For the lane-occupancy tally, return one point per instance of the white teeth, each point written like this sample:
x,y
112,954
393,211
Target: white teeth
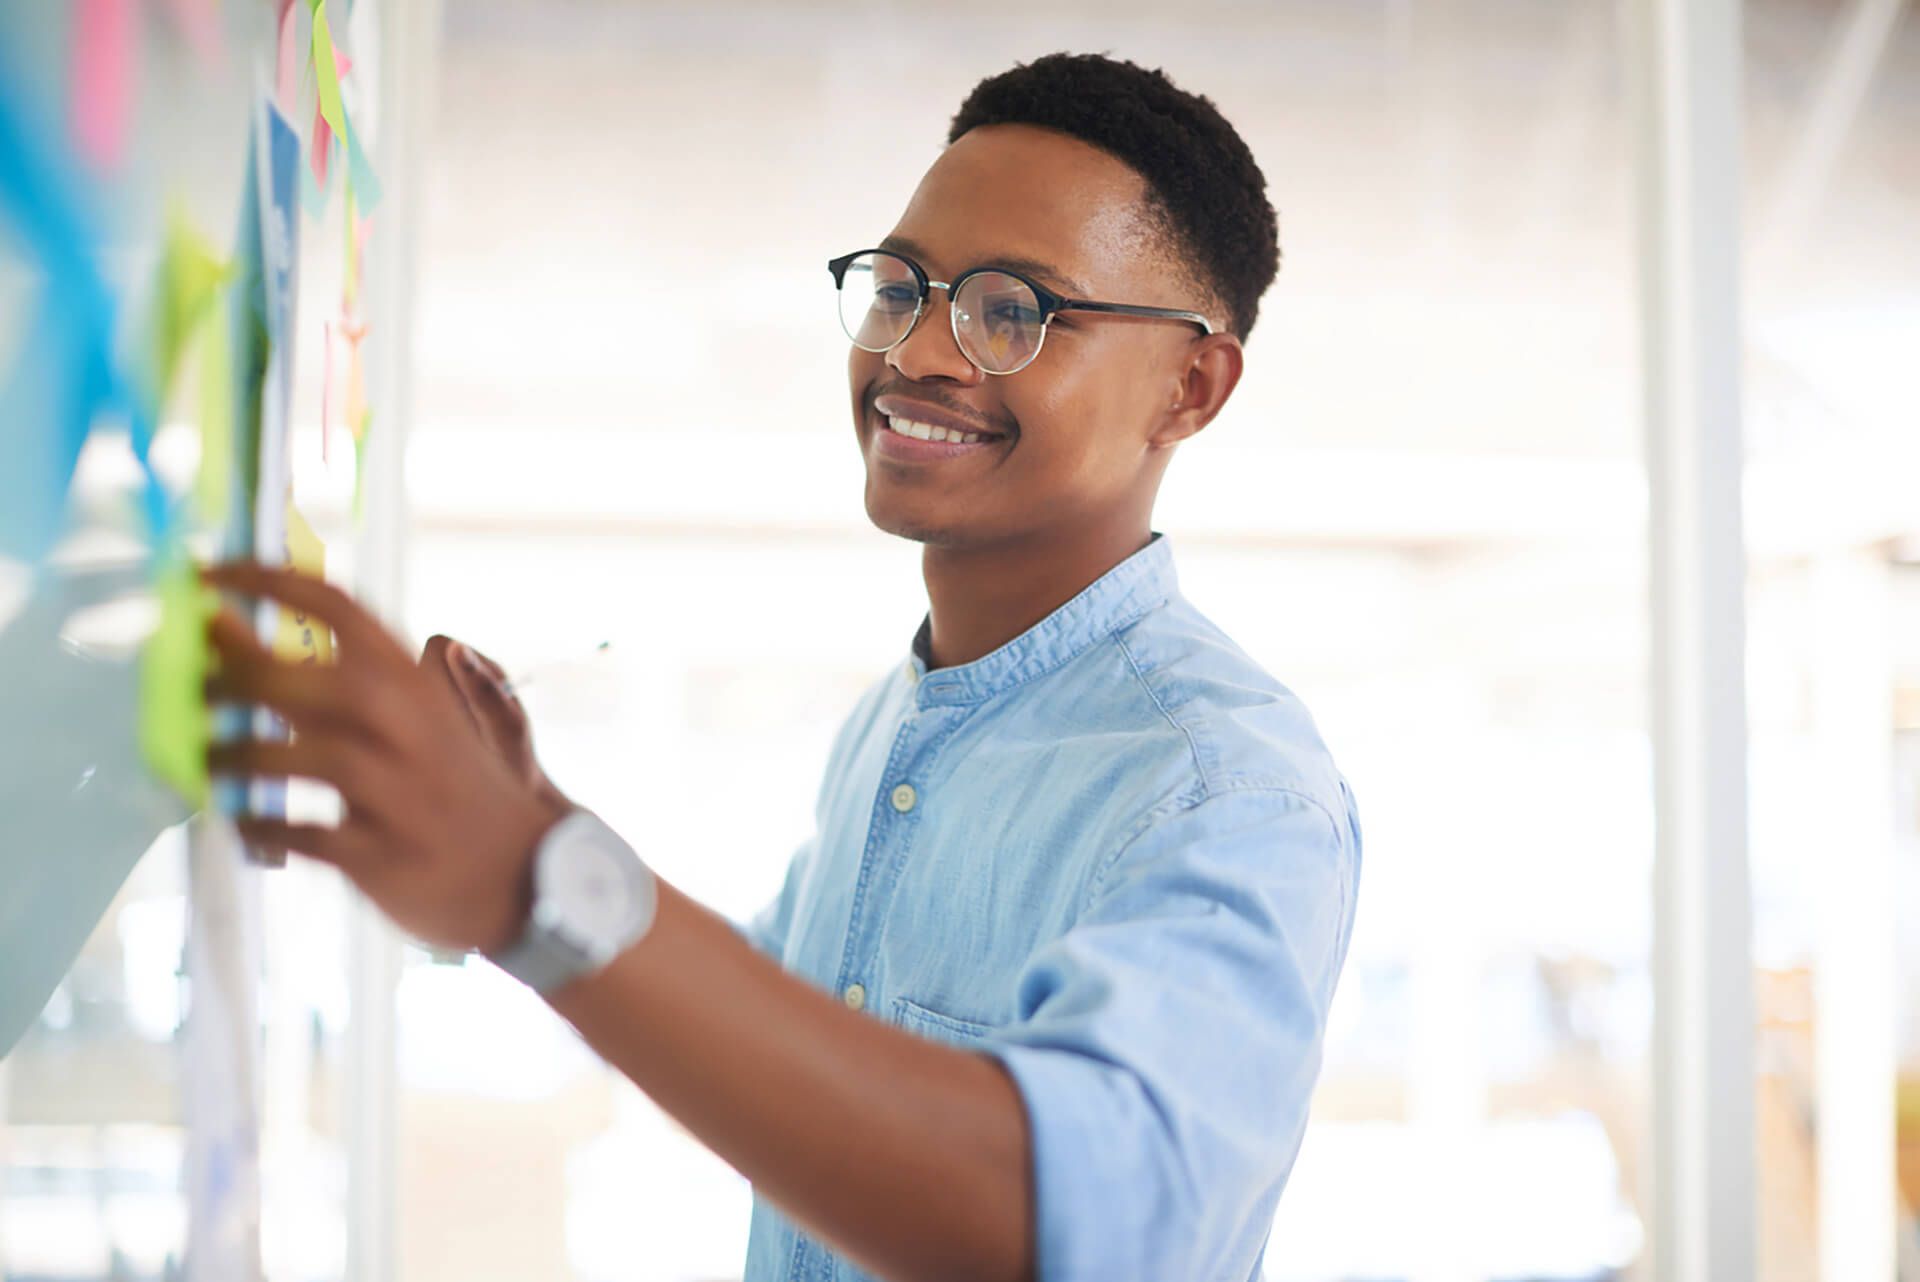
x,y
928,432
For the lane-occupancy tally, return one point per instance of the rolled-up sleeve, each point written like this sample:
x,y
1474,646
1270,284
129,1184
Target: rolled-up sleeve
x,y
1167,1044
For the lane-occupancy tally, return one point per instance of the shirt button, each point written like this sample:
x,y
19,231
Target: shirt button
x,y
855,996
903,797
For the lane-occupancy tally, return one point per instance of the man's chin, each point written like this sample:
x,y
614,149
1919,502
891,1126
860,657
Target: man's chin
x,y
916,525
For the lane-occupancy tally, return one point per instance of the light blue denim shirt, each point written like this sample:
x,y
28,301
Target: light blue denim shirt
x,y
1115,854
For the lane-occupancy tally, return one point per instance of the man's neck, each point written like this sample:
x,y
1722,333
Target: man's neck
x,y
978,599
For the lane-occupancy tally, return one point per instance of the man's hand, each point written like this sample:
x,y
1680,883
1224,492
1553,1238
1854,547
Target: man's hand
x,y
492,706
842,1120
439,828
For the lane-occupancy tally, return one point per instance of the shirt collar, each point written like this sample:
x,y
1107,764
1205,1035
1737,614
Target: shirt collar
x,y
1136,585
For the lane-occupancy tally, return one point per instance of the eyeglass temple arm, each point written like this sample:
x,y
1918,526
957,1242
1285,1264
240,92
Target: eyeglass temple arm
x,y
1129,309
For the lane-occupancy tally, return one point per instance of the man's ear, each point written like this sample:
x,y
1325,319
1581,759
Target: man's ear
x,y
1201,387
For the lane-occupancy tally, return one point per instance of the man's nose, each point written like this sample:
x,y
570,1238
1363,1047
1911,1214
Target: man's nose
x,y
929,351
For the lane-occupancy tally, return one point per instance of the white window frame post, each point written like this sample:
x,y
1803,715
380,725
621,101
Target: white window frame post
x,y
406,80
1683,64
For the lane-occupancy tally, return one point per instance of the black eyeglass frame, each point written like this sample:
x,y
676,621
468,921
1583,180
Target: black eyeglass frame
x,y
1050,303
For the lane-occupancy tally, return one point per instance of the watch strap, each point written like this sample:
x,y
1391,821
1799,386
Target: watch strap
x,y
541,960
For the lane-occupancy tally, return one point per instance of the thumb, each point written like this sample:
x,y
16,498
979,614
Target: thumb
x,y
487,693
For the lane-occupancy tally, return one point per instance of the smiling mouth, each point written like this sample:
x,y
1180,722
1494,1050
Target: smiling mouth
x,y
932,432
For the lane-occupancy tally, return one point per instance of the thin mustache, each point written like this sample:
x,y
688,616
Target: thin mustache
x,y
1007,428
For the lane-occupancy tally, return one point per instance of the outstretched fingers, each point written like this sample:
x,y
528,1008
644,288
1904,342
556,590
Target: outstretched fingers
x,y
358,631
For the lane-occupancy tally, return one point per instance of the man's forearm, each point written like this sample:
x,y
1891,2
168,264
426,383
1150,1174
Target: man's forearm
x,y
906,1155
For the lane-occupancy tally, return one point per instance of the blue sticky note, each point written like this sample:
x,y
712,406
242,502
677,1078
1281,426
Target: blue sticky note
x,y
65,375
366,187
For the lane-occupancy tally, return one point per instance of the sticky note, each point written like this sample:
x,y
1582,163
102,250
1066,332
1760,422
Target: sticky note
x,y
327,72
360,463
188,311
103,67
350,263
330,115
361,168
322,148
300,638
192,275
174,721
64,374
286,80
356,409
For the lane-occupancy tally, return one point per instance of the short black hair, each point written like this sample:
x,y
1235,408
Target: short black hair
x,y
1203,187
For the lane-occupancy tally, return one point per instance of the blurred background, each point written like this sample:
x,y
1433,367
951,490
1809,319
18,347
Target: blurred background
x,y
1423,511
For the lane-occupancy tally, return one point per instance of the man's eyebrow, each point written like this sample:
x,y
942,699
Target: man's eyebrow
x,y
1045,273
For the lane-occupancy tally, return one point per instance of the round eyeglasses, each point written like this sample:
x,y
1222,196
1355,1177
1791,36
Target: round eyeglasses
x,y
999,317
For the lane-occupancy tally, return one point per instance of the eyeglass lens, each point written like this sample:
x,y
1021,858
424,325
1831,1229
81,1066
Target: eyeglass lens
x,y
996,317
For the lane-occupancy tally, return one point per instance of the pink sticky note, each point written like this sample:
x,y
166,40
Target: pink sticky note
x,y
103,68
322,144
322,131
287,73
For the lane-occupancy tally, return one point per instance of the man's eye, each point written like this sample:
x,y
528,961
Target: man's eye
x,y
1013,314
896,297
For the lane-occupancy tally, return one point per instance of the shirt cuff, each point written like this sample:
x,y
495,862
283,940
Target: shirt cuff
x,y
1097,1200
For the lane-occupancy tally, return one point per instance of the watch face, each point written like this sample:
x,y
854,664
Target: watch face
x,y
593,889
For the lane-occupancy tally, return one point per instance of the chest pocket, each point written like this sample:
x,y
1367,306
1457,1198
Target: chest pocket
x,y
916,1018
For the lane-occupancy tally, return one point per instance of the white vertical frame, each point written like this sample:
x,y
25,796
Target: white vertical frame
x,y
1854,985
1683,63
408,57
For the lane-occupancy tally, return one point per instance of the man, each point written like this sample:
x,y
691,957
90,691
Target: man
x,y
1044,995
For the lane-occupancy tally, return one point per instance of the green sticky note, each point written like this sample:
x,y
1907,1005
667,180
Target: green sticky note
x,y
326,73
174,723
191,276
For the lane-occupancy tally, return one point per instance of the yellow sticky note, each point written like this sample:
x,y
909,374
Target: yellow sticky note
x,y
350,269
190,278
174,722
356,381
213,484
300,638
327,73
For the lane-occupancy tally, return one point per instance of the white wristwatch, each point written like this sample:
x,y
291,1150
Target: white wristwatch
x,y
593,898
